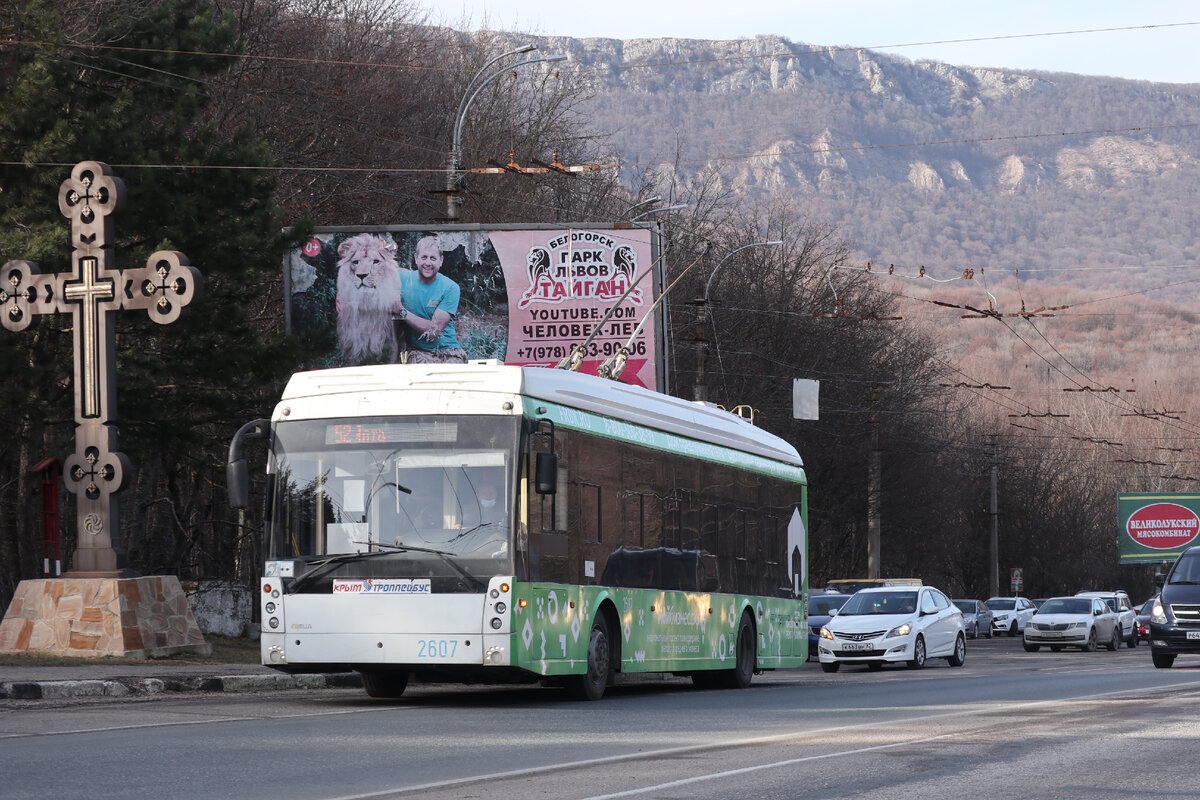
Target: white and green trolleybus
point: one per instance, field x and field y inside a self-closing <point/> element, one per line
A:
<point x="489" y="523"/>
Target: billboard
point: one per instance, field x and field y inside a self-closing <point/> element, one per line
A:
<point x="1157" y="527"/>
<point x="521" y="294"/>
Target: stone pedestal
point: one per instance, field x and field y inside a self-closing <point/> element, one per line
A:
<point x="145" y="617"/>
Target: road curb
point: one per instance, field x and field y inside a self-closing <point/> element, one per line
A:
<point x="124" y="687"/>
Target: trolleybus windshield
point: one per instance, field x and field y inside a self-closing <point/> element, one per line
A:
<point x="419" y="490"/>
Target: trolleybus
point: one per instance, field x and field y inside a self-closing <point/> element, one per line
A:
<point x="489" y="523"/>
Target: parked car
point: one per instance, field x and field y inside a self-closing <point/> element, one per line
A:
<point x="821" y="608"/>
<point x="1143" y="620"/>
<point x="1119" y="602"/>
<point x="904" y="625"/>
<point x="1078" y="621"/>
<point x="1010" y="614"/>
<point x="1037" y="601"/>
<point x="1175" y="615"/>
<point x="977" y="618"/>
<point x="852" y="585"/>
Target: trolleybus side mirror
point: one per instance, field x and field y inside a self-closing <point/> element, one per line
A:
<point x="237" y="483"/>
<point x="237" y="474"/>
<point x="546" y="473"/>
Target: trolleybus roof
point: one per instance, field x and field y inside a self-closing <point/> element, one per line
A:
<point x="632" y="404"/>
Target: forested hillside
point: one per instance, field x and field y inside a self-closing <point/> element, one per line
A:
<point x="984" y="270"/>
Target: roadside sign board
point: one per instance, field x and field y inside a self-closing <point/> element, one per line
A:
<point x="1156" y="527"/>
<point x="1018" y="579"/>
<point x="523" y="294"/>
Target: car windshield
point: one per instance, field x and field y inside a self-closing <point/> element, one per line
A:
<point x="1066" y="605"/>
<point x="966" y="606"/>
<point x="898" y="602"/>
<point x="1001" y="604"/>
<point x="1186" y="569"/>
<point x="824" y="605"/>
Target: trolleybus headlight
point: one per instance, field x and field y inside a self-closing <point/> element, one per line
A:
<point x="273" y="622"/>
<point x="494" y="593"/>
<point x="270" y="608"/>
<point x="501" y="608"/>
<point x="496" y="623"/>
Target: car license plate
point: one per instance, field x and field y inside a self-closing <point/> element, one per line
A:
<point x="1193" y="634"/>
<point x="857" y="646"/>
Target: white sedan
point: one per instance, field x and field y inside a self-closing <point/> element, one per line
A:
<point x="1082" y="622"/>
<point x="893" y="624"/>
<point x="1010" y="614"/>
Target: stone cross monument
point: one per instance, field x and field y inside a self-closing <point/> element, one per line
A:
<point x="91" y="293"/>
<point x="94" y="608"/>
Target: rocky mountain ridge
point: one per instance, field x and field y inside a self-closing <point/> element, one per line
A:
<point x="899" y="152"/>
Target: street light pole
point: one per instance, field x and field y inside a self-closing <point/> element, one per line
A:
<point x="655" y="199"/>
<point x="474" y="87"/>
<point x="698" y="391"/>
<point x="656" y="210"/>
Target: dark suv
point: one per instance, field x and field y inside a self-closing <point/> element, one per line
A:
<point x="1175" y="615"/>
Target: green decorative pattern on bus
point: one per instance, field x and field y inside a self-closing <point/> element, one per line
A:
<point x="573" y="418"/>
<point x="659" y="631"/>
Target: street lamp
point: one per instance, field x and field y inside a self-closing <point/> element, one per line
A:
<point x="655" y="199"/>
<point x="474" y="87"/>
<point x="656" y="210"/>
<point x="698" y="392"/>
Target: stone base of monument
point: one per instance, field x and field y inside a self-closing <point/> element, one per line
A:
<point x="86" y="617"/>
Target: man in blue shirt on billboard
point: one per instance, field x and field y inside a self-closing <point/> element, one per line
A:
<point x="430" y="302"/>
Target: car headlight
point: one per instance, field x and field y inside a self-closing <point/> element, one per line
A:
<point x="1158" y="613"/>
<point x="900" y="630"/>
<point x="825" y="634"/>
<point x="1077" y="625"/>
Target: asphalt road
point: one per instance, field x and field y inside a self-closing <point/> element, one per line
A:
<point x="1008" y="724"/>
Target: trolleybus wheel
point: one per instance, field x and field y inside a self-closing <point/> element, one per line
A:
<point x="746" y="653"/>
<point x="591" y="684"/>
<point x="385" y="683"/>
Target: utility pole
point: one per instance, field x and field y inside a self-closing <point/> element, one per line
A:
<point x="874" y="488"/>
<point x="699" y="391"/>
<point x="994" y="536"/>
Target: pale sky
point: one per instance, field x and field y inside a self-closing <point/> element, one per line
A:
<point x="1160" y="46"/>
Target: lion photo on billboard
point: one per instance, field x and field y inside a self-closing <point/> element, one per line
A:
<point x="368" y="292"/>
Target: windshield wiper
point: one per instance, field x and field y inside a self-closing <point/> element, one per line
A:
<point x="322" y="567"/>
<point x="445" y="556"/>
<point x="468" y="531"/>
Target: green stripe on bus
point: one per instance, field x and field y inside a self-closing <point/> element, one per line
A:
<point x="659" y="631"/>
